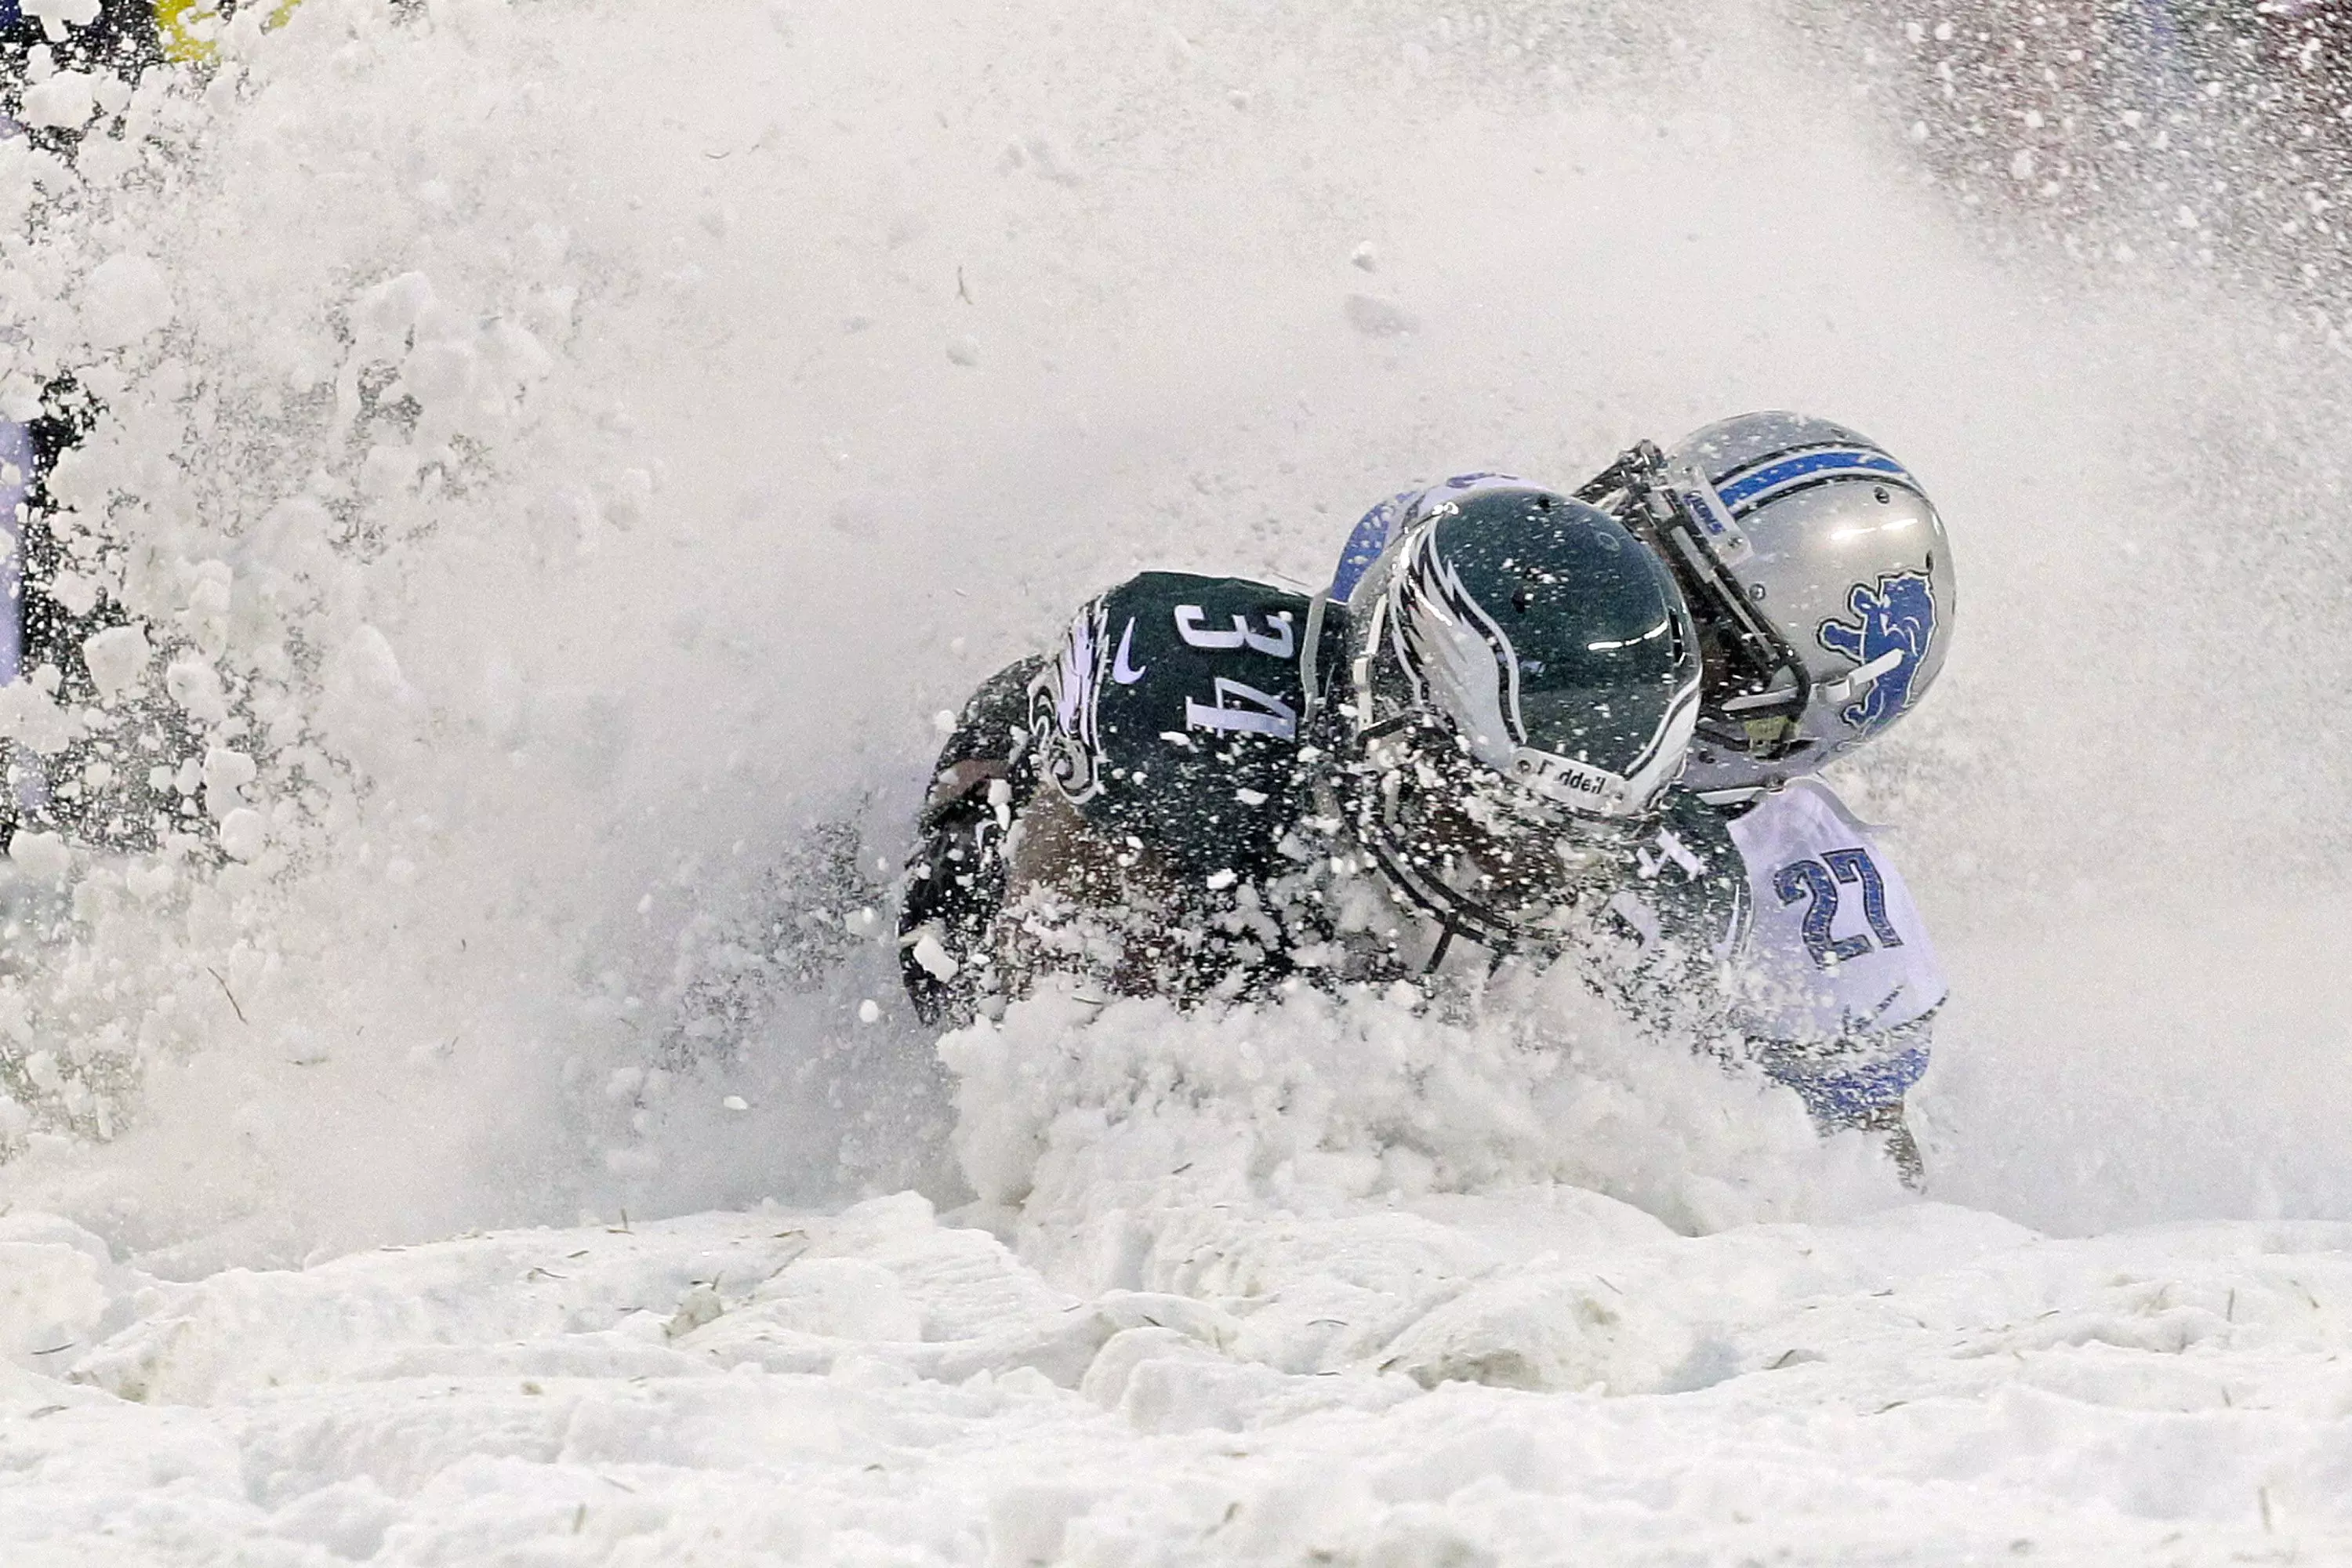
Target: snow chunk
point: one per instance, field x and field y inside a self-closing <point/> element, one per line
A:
<point x="1555" y="1090"/>
<point x="1550" y="1331"/>
<point x="77" y="590"/>
<point x="56" y="16"/>
<point x="118" y="660"/>
<point x="387" y="471"/>
<point x="1029" y="1521"/>
<point x="440" y="372"/>
<point x="367" y="667"/>
<point x="935" y="959"/>
<point x="56" y="1289"/>
<point x="514" y="354"/>
<point x="127" y="298"/>
<point x="226" y="773"/>
<point x="1378" y="317"/>
<point x="28" y="713"/>
<point x="244" y="834"/>
<point x="844" y="1298"/>
<point x="350" y="1518"/>
<point x="391" y="307"/>
<point x="41" y="856"/>
<point x="206" y="617"/>
<point x="1049" y="159"/>
<point x="195" y="686"/>
<point x="64" y="103"/>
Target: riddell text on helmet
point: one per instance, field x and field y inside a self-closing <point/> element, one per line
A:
<point x="1597" y="786"/>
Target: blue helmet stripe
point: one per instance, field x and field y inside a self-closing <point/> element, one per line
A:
<point x="1751" y="489"/>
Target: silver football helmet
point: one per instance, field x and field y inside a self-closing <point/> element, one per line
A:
<point x="1820" y="578"/>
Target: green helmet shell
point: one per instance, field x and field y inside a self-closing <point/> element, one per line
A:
<point x="1552" y="645"/>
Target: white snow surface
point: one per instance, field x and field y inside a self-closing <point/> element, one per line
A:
<point x="1243" y="1356"/>
<point x="559" y="455"/>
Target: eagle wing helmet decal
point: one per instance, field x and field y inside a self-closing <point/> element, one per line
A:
<point x="1457" y="654"/>
<point x="1460" y="661"/>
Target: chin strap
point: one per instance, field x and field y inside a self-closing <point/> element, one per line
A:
<point x="1310" y="648"/>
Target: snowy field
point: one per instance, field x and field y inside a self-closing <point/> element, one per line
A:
<point x="1535" y="1375"/>
<point x="563" y="453"/>
<point x="1272" y="1312"/>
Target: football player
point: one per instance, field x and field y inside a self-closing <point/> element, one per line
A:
<point x="1522" y="725"/>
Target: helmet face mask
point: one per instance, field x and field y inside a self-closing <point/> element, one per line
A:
<point x="1751" y="671"/>
<point x="1523" y="682"/>
<point x="1464" y="839"/>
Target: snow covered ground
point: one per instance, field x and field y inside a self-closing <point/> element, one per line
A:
<point x="563" y="452"/>
<point x="1324" y="1285"/>
<point x="1526" y="1374"/>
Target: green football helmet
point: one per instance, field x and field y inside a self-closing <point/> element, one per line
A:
<point x="1521" y="687"/>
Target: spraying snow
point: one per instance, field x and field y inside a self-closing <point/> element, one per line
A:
<point x="558" y="455"/>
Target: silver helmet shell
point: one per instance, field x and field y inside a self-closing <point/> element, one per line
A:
<point x="1823" y="580"/>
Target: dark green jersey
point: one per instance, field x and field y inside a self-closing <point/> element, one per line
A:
<point x="1174" y="716"/>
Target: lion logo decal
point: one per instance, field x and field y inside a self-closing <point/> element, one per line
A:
<point x="1898" y="616"/>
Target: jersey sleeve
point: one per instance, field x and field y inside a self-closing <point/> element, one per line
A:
<point x="1377" y="527"/>
<point x="1367" y="540"/>
<point x="1836" y="949"/>
<point x="1170" y="716"/>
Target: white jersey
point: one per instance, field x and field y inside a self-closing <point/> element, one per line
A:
<point x="1835" y="946"/>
